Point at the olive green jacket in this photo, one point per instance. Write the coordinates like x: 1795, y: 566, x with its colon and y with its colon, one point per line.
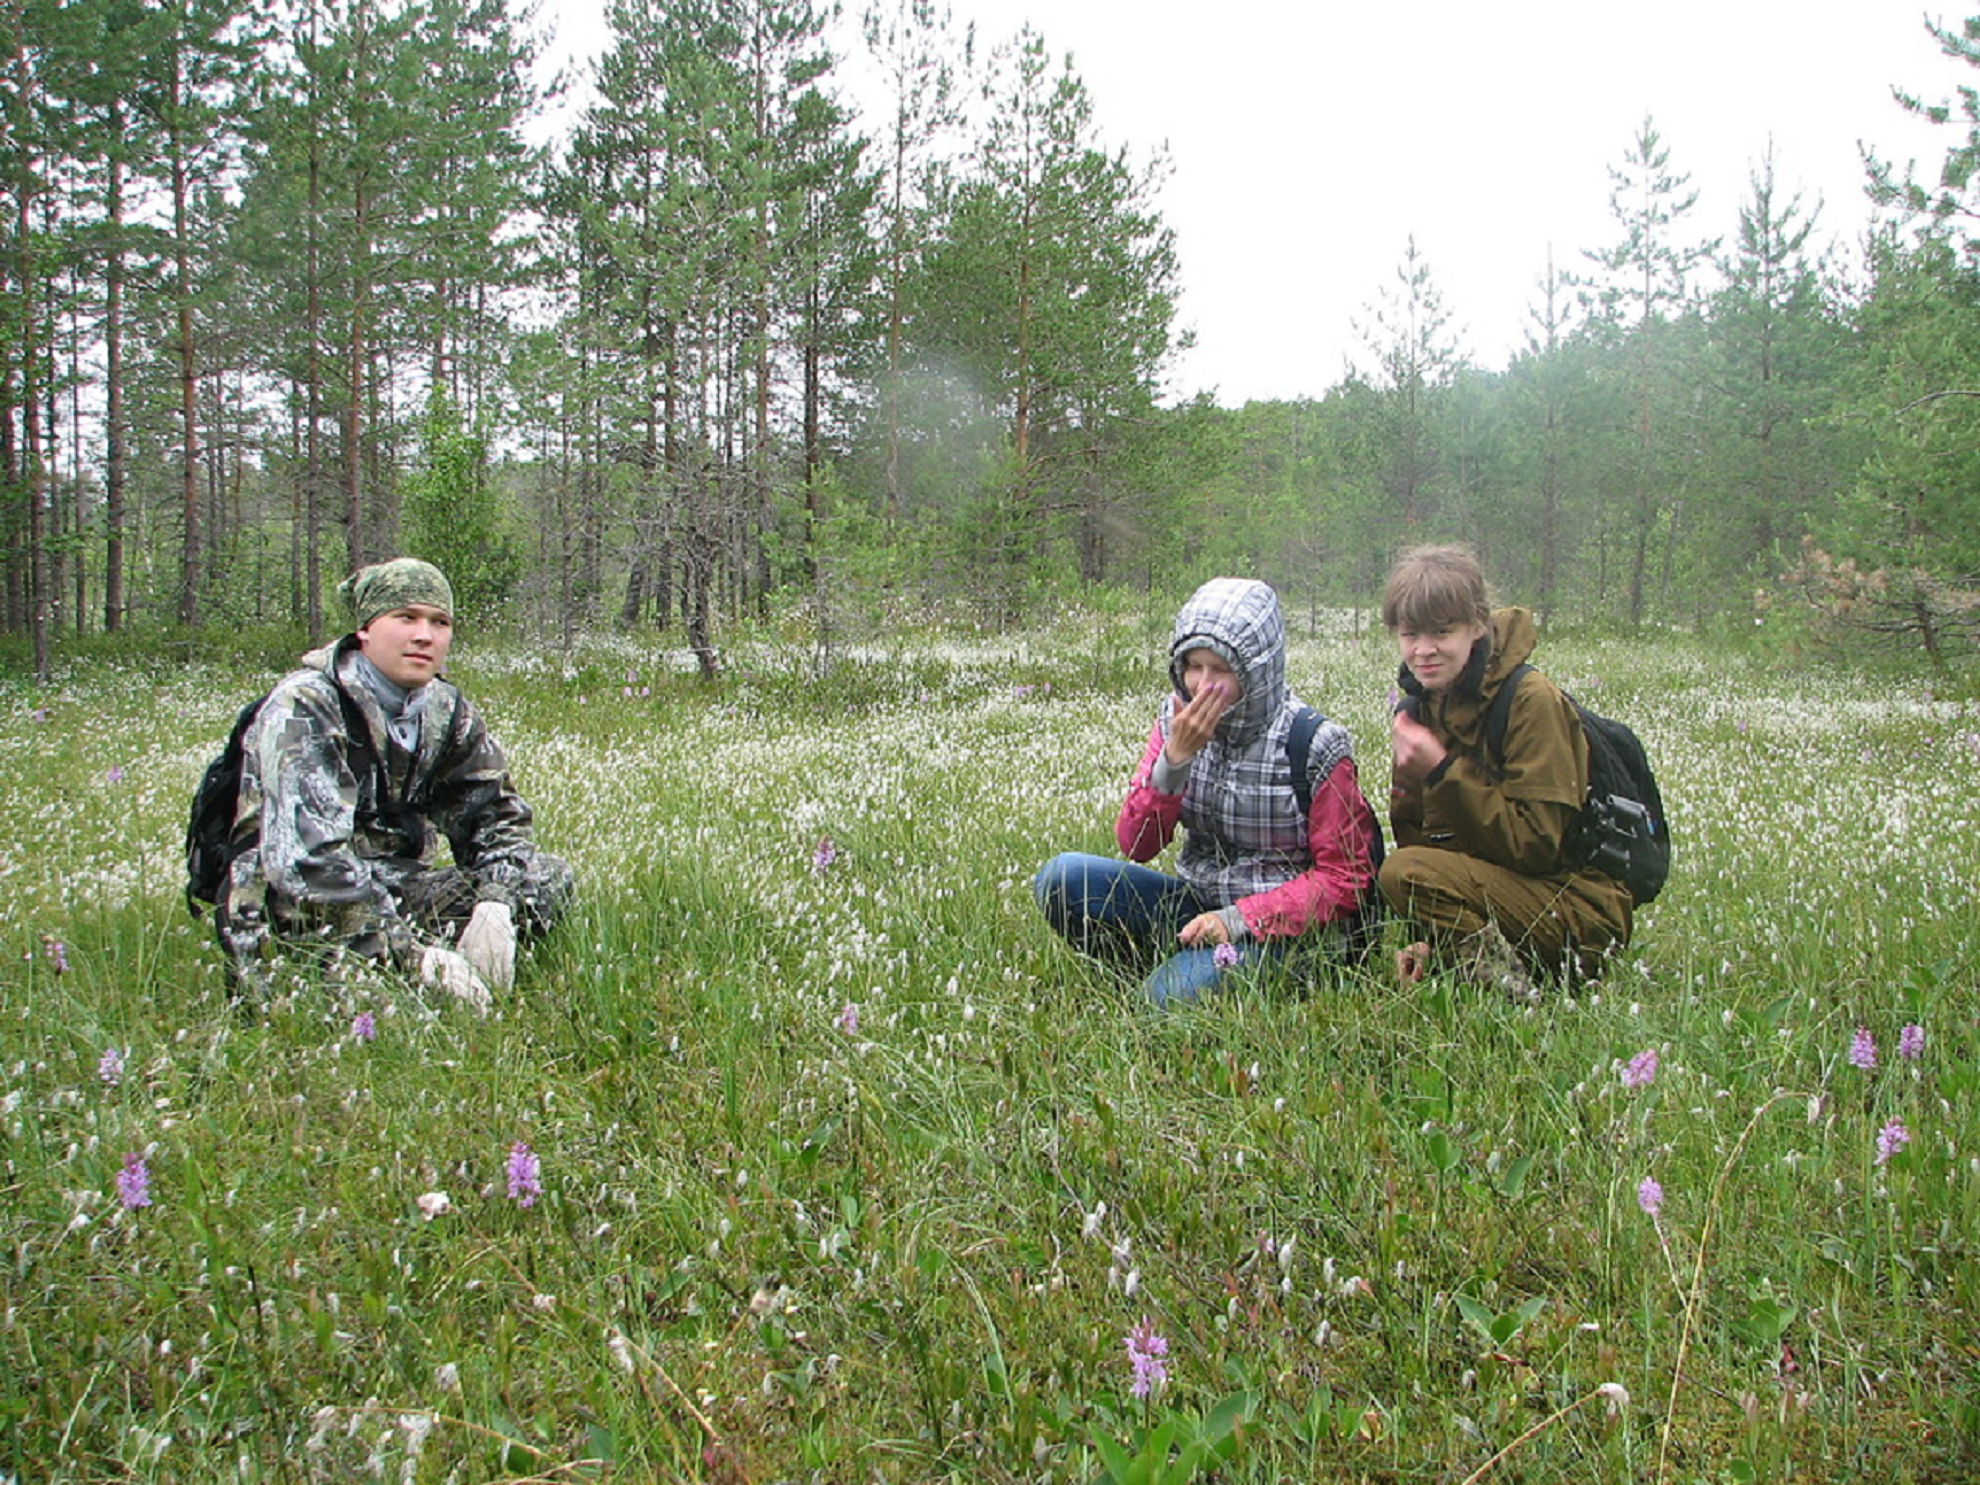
x: 1512, y: 812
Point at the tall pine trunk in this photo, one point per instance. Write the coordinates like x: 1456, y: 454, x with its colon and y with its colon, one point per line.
x: 355, y: 366
x: 188, y: 368
x: 115, y: 473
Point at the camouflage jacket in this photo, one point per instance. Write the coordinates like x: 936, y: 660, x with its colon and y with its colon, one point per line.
x: 328, y: 851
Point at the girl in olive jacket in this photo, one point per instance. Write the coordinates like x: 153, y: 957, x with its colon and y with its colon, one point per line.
x: 1479, y: 873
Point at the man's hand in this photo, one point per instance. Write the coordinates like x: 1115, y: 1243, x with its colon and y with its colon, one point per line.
x: 488, y: 943
x: 452, y: 973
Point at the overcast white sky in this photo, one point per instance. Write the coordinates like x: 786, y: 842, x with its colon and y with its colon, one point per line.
x: 1310, y: 140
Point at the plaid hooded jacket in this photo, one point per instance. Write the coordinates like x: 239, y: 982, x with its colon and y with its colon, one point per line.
x: 1245, y: 843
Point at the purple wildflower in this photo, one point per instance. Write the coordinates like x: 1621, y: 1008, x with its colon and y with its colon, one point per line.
x: 1911, y: 1042
x: 134, y: 1183
x: 110, y: 1066
x: 848, y: 1019
x: 115, y: 775
x: 364, y: 1027
x: 57, y: 952
x: 1145, y: 1350
x: 39, y: 714
x: 1642, y: 1069
x: 825, y: 854
x: 525, y: 1175
x: 1892, y: 1138
x: 1863, y: 1050
x: 1224, y: 956
x: 1650, y: 1196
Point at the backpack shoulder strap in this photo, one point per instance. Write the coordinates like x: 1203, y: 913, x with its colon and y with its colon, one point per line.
x: 1299, y: 754
x: 243, y: 720
x: 1299, y: 747
x: 1500, y: 713
x: 359, y: 732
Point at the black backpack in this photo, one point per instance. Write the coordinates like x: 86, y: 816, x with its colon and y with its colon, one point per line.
x: 1621, y: 831
x: 1367, y: 925
x: 210, y: 844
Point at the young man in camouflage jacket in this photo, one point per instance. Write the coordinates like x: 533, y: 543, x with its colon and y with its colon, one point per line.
x: 336, y: 833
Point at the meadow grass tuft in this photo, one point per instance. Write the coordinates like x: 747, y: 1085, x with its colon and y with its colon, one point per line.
x: 849, y: 1172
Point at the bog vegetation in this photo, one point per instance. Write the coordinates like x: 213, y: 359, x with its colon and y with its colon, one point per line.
x: 804, y: 1153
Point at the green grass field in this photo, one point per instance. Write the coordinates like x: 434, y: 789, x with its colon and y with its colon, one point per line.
x: 850, y: 1173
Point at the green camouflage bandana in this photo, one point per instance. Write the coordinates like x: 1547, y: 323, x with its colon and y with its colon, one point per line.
x: 384, y: 586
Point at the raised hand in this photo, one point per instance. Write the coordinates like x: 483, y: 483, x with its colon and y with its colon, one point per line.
x: 1195, y: 721
x: 1415, y: 747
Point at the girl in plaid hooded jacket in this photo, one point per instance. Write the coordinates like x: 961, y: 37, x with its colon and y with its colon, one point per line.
x: 1256, y: 879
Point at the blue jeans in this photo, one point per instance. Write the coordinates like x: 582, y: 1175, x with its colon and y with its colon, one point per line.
x: 1129, y: 915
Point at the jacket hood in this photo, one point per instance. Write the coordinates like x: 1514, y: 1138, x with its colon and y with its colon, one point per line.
x: 1513, y: 640
x: 1237, y: 619
x: 324, y: 657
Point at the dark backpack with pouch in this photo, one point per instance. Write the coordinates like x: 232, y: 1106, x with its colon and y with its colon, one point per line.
x: 1621, y: 831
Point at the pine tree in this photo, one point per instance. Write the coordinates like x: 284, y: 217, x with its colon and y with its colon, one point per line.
x: 1644, y: 289
x: 913, y: 44
x: 1051, y: 287
x: 451, y: 514
x: 1417, y: 357
x: 1778, y: 354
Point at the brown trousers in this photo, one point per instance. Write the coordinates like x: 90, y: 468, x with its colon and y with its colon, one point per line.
x: 1552, y: 922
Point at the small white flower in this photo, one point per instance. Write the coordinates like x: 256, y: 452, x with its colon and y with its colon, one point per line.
x: 621, y: 1349
x: 1617, y: 1394
x: 321, y: 1422
x: 447, y: 1377
x: 435, y: 1204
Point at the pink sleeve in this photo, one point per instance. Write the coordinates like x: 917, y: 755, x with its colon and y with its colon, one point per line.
x: 1337, y: 830
x: 1147, y: 820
